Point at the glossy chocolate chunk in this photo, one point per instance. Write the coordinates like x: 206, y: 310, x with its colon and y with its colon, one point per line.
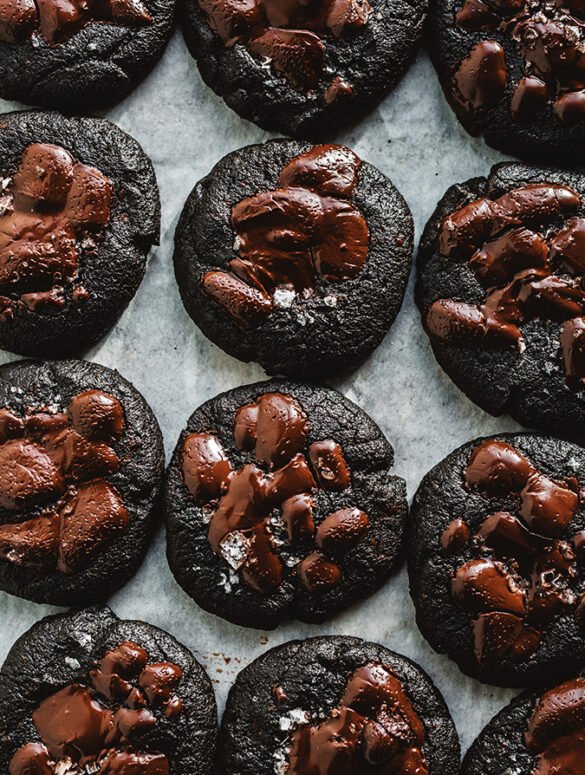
x: 276, y: 428
x: 75, y: 725
x: 291, y: 36
x: 54, y: 202
x: 57, y: 20
x: 516, y: 266
x: 305, y: 228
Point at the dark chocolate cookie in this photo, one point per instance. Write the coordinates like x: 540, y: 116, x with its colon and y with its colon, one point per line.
x: 81, y: 463
x: 79, y: 211
x: 497, y: 561
x: 86, y: 692
x: 336, y: 706
x: 280, y: 503
x: 536, y: 734
x: 513, y: 71
x: 295, y: 256
x: 77, y: 55
x: 302, y: 68
x: 502, y: 296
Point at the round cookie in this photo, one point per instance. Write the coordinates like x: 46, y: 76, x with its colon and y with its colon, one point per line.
x: 280, y: 503
x: 536, y: 734
x: 79, y: 211
x: 295, y: 256
x: 81, y: 463
x: 81, y: 55
x: 301, y: 68
x: 121, y: 697
x: 512, y: 71
x: 496, y: 560
x: 501, y: 293
x: 336, y: 706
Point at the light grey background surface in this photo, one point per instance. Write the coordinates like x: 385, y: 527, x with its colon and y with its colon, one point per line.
x: 413, y: 138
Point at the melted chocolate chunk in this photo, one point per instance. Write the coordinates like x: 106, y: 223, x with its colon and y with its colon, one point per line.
x: 97, y: 725
x: 549, y: 37
x: 556, y: 730
x: 305, y: 229
x: 524, y: 569
x: 522, y: 270
x: 53, y: 206
x: 291, y: 36
x: 374, y: 728
x: 284, y: 479
x: 57, y: 20
x: 455, y: 536
x: 56, y: 462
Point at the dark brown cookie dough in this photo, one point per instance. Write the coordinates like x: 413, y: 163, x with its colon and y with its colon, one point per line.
x: 302, y: 68
x: 514, y: 72
x: 336, y: 706
x: 79, y: 211
x: 88, y: 692
x: 81, y: 462
x: 502, y: 295
x: 295, y: 256
x: 496, y: 558
x: 79, y: 55
x: 280, y: 504
x: 536, y: 734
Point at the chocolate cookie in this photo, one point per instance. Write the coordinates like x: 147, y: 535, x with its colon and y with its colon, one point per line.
x: 502, y: 294
x: 280, y: 503
x: 301, y: 68
x: 79, y: 211
x: 78, y: 55
x: 295, y: 256
x: 497, y: 562
x: 513, y: 71
x: 536, y: 734
x: 81, y: 462
x: 88, y: 692
x: 336, y: 706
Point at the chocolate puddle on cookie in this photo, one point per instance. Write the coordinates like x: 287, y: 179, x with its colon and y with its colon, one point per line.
x: 290, y: 36
x: 52, y: 211
x: 262, y: 515
x: 58, y: 509
x: 304, y: 231
x: 96, y: 725
x: 549, y: 36
x: 526, y: 249
x: 55, y: 21
x: 374, y: 729
x: 524, y: 570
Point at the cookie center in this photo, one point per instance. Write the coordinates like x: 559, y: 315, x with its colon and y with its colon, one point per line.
x: 269, y: 506
x: 288, y: 239
x: 290, y: 35
x: 51, y: 211
x: 95, y: 726
x: 525, y: 567
x: 527, y: 253
x: 58, y: 508
x: 373, y: 729
x: 55, y: 21
x: 550, y: 37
